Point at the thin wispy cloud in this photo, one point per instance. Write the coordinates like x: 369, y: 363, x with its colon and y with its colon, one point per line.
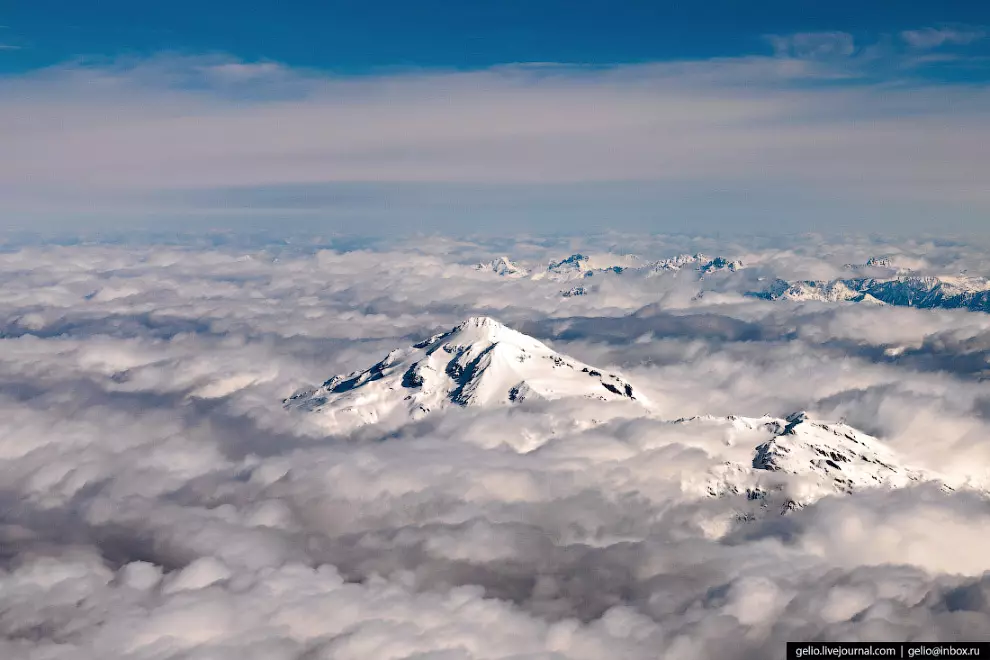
x: 813, y: 45
x: 933, y: 37
x: 8, y: 42
x: 820, y: 118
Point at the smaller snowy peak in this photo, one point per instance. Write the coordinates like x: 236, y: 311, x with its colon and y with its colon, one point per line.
x: 578, y: 266
x: 794, y: 461
x: 720, y: 263
x: 872, y: 262
x: 835, y: 457
x: 878, y: 267
x: 696, y: 262
x: 676, y: 263
x: 835, y: 291
x: 573, y: 267
x: 504, y: 267
x: 575, y: 292
x: 480, y: 362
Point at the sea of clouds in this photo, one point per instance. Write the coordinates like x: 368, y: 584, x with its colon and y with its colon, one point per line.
x: 157, y: 502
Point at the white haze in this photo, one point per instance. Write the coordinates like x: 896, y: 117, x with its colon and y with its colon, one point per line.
x: 156, y: 501
x: 811, y: 122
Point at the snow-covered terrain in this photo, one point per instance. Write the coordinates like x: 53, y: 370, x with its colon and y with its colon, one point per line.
x: 580, y: 266
x: 878, y: 267
x: 792, y: 462
x: 924, y: 292
x: 479, y: 362
x: 698, y: 262
x: 878, y: 281
x: 503, y: 266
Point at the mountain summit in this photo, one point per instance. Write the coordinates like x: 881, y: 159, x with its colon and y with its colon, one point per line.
x: 578, y: 266
x: 503, y: 266
x: 699, y: 262
x: 478, y: 363
x: 794, y: 461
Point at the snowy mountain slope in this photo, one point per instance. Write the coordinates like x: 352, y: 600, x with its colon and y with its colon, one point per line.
x: 925, y: 292
x: 720, y: 263
x: 478, y: 363
x: 834, y: 291
x: 573, y: 267
x: 504, y: 267
x: 791, y: 462
x: 838, y: 456
x: 699, y: 262
x: 879, y: 281
x: 578, y: 266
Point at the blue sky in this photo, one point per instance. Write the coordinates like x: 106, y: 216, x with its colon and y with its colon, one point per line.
x: 356, y: 36
x: 769, y: 116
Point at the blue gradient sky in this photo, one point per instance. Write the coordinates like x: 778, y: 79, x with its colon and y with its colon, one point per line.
x: 357, y: 35
x: 770, y: 116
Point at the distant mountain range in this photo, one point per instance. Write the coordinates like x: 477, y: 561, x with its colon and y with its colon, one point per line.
x: 698, y: 262
x: 924, y: 292
x: 880, y: 282
x: 877, y: 281
x: 580, y: 266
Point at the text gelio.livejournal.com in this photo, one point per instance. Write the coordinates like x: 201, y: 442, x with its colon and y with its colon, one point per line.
x: 809, y: 650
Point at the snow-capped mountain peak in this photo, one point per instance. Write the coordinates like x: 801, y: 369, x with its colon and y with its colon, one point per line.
x: 720, y: 263
x: 503, y: 266
x: 878, y: 267
x: 479, y: 362
x: 481, y: 333
x: 676, y: 263
x: 578, y: 266
x: 572, y: 267
x: 791, y: 462
x: 836, y: 455
x: 699, y: 262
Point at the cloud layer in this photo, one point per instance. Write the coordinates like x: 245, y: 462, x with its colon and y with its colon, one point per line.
x: 157, y: 502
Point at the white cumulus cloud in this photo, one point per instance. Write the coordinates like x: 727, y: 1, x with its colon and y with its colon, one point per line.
x: 156, y: 501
